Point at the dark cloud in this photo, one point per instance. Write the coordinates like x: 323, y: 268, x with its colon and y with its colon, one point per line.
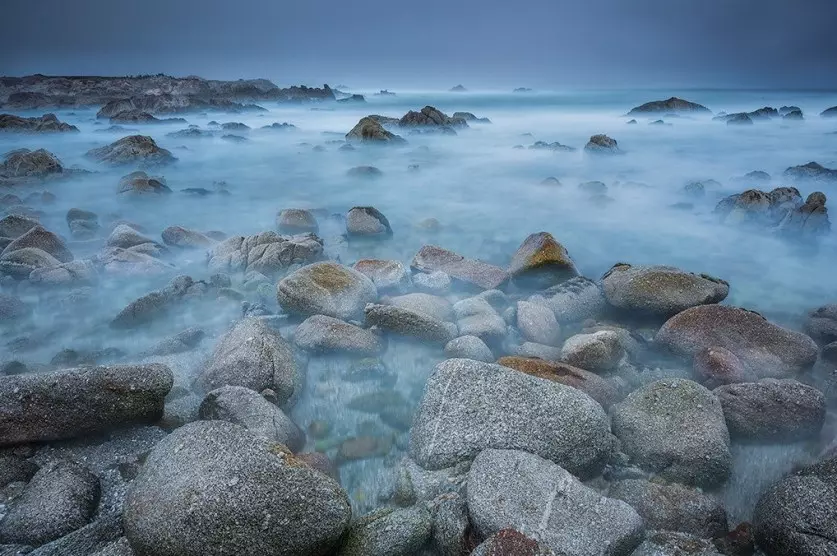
x: 729, y: 43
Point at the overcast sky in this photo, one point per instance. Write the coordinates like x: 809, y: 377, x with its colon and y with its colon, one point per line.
x: 434, y: 43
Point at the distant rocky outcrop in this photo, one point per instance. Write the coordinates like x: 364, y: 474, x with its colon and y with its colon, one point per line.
x: 458, y: 89
x: 829, y: 112
x: 140, y: 117
x: 672, y: 105
x: 385, y: 93
x: 522, y: 90
x: 470, y: 117
x: 430, y: 118
x: 23, y: 163
x: 811, y: 171
x: 353, y: 99
x: 781, y: 210
x: 370, y: 130
x: 736, y: 119
x: 139, y: 149
x: 602, y: 144
x: 46, y: 123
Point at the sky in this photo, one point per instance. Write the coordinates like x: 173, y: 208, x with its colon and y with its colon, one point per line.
x: 434, y: 43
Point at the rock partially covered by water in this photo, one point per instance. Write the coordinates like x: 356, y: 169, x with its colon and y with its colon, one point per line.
x: 184, y: 238
x: 672, y: 543
x: 369, y: 130
x: 764, y: 348
x: 469, y: 406
x: 15, y: 225
x: 61, y: 497
x: 390, y: 276
x: 252, y: 411
x: 297, y: 221
x: 367, y: 222
x: 46, y: 123
x: 23, y: 163
x: 134, y: 149
x: 540, y: 262
x: 389, y: 532
x: 673, y: 105
x: 714, y: 366
x: 83, y: 224
x: 676, y: 428
x: 323, y: 334
x: 431, y: 117
x: 673, y: 507
x: 214, y: 487
x: 519, y: 490
x: 76, y: 402
x: 20, y: 263
x: 254, y: 356
x: 661, y: 291
x: 811, y: 171
x: 412, y: 324
x: 798, y: 515
x: 602, y: 144
x: 139, y: 183
x: 772, y: 410
x: 821, y: 324
x: 267, y: 253
x: 468, y: 272
x: 40, y: 238
x: 326, y: 288
x: 509, y: 542
x: 468, y: 347
x: 598, y: 352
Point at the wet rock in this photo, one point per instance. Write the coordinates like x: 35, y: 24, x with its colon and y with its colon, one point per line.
x: 252, y: 411
x: 468, y: 272
x: 98, y: 534
x: 83, y: 224
x: 14, y: 225
x: 212, y: 485
x: 297, y: 221
x: 368, y: 172
x: 508, y: 542
x: 714, y: 366
x: 811, y: 171
x: 16, y: 469
x: 386, y: 275
x: 602, y: 144
x: 738, y: 119
x: 672, y: 543
x: 538, y: 351
x: 772, y: 410
x: 48, y: 123
x: 798, y: 515
x: 451, y: 526
x: 367, y: 222
x: 523, y: 491
x: 808, y: 220
x: 829, y: 112
x: 326, y: 288
x: 765, y: 349
x: 430, y: 117
x: 408, y: 323
x: 388, y: 532
x: 434, y: 282
x: 323, y: 334
x: 821, y: 324
x: 434, y: 306
x: 793, y: 115
x: 600, y: 389
x: 60, y: 498
x: 477, y: 317
x: 537, y: 323
x: 469, y: 406
x: 675, y: 428
x: 673, y: 507
x: 23, y: 163
x: 672, y: 105
x: 267, y: 253
x: 468, y: 347
x: 369, y: 130
x: 75, y: 402
x: 363, y: 447
x: 598, y: 352
x: 541, y: 262
x: 661, y: 291
x: 40, y: 238
x: 738, y: 542
x: 20, y: 263
x: 176, y: 236
x: 368, y: 368
x: 144, y: 310
x: 141, y: 184
x: 12, y: 308
x: 320, y: 462
x: 252, y: 355
x: 125, y: 237
x: 574, y: 300
x: 134, y: 149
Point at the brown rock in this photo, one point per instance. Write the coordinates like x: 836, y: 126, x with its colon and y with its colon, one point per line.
x: 598, y: 388
x: 470, y: 272
x: 46, y: 241
x: 541, y: 262
x: 714, y: 366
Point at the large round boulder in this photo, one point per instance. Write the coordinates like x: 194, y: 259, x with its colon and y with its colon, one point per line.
x: 367, y: 222
x: 214, y: 488
x: 40, y: 238
x: 764, y: 348
x: 676, y: 428
x: 322, y: 334
x: 326, y: 288
x: 134, y: 149
x: 541, y: 262
x: 469, y: 406
x: 660, y: 291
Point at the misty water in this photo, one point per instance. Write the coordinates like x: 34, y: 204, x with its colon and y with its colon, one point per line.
x: 487, y: 196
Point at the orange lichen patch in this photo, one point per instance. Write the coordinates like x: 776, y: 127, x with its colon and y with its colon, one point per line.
x: 541, y: 250
x: 331, y: 277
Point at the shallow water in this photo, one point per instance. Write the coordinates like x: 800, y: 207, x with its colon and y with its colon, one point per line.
x: 486, y: 194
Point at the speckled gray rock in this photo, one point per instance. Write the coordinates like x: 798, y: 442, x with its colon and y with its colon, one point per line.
x: 134, y: 149
x: 541, y: 262
x: 184, y: 238
x: 537, y: 323
x: 144, y: 310
x: 764, y: 348
x: 676, y: 428
x: 772, y: 410
x: 297, y: 221
x: 477, y: 317
x: 469, y: 406
x: 468, y: 347
x: 14, y: 225
x: 212, y: 488
x: 390, y: 276
x: 437, y: 307
x: 367, y: 222
x: 13, y: 468
x: 249, y: 409
x: 40, y: 238
x: 408, y: 323
x: 267, y: 253
x: 388, y: 532
x: 185, y: 340
x: 126, y: 237
x: 470, y: 273
x: 73, y: 273
x: 12, y: 308
x: 86, y: 540
x: 75, y: 402
x: 531, y: 349
x: 597, y: 352
x: 450, y: 525
x: 59, y: 499
x: 661, y: 291
x: 120, y: 547
x: 519, y: 490
x: 673, y: 507
x: 797, y: 516
x: 671, y: 543
x: 433, y: 282
x: 326, y: 288
x: 322, y: 334
x: 20, y: 263
x: 574, y: 300
x: 254, y: 356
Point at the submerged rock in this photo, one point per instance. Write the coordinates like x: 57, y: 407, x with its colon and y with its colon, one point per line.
x: 134, y: 149
x: 388, y: 532
x: 386, y: 275
x: 323, y: 334
x: 214, y: 486
x: 672, y: 105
